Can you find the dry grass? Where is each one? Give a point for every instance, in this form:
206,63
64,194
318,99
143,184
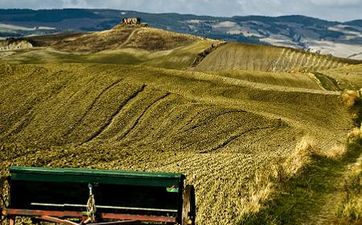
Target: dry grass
350,97
262,189
306,149
337,151
224,136
268,182
300,157
350,209
139,118
237,135
355,134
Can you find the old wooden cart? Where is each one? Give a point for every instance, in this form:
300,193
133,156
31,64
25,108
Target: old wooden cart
86,196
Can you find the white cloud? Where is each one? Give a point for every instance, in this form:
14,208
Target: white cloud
327,9
74,4
336,2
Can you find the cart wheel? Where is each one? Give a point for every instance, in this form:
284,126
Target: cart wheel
4,197
189,207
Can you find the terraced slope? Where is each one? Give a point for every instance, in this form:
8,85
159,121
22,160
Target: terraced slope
234,56
218,130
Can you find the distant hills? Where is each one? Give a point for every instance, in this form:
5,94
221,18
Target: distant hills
342,39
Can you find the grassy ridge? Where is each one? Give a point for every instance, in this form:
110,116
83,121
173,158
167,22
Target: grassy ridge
121,45
180,57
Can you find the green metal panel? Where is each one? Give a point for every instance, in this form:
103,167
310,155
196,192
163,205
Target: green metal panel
76,175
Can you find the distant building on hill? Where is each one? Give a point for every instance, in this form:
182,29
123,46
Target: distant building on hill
131,20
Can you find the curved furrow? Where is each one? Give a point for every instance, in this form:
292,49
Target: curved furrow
73,94
233,137
134,133
89,108
18,126
212,116
166,128
111,119
159,116
210,134
196,115
133,111
130,95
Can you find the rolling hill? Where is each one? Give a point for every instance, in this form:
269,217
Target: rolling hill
107,116
120,45
133,98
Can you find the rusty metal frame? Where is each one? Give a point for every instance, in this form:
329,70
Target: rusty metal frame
67,222
54,216
56,220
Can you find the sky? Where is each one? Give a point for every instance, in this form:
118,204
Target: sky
339,10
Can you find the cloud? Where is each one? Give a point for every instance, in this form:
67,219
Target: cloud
326,9
74,4
336,2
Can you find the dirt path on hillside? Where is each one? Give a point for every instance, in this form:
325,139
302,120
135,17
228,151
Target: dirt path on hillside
128,39
324,191
316,196
331,202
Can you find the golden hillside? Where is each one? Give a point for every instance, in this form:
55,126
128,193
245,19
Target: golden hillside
242,125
